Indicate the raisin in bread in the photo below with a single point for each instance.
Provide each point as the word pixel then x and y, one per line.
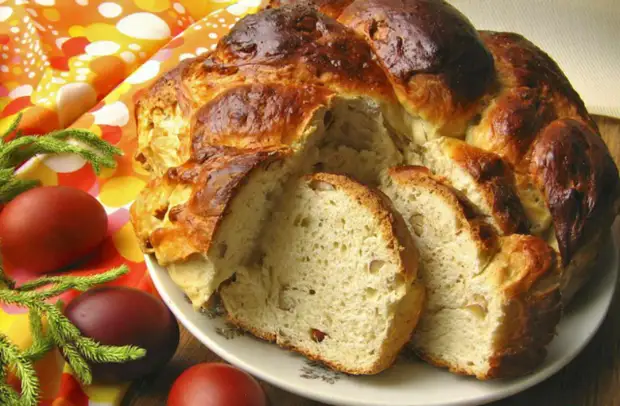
pixel 335 277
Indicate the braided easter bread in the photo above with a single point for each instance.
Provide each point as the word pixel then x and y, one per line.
pixel 478 134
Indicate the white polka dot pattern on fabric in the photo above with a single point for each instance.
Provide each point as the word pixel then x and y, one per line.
pixel 237 9
pixel 5 13
pixel 128 56
pixel 45 2
pixel 185 56
pixel 201 50
pixel 147 71
pixel 64 163
pixel 112 114
pixel 68 110
pixel 82 2
pixel 179 8
pixel 23 90
pixel 144 26
pixel 60 41
pixel 99 48
pixel 110 10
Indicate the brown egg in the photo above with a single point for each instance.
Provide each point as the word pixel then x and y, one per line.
pixel 48 228
pixel 126 316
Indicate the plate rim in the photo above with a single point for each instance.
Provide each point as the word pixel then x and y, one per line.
pixel 524 384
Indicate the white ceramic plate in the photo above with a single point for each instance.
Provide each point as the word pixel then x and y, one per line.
pixel 409 382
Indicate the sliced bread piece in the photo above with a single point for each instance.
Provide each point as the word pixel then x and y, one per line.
pixel 482 177
pixel 493 302
pixel 336 280
pixel 184 216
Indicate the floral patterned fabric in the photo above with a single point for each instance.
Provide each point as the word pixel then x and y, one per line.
pixel 82 63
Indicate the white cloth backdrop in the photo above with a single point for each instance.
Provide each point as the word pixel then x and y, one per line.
pixel 583 36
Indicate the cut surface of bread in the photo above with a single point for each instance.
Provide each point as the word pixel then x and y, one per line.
pixel 487 295
pixel 336 277
pixel 243 185
pixel 342 134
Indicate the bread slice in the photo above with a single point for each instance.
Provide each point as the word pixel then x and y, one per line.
pixel 184 217
pixel 479 176
pixel 493 301
pixel 335 279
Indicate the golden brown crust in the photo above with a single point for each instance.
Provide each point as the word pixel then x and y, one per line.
pixel 174 233
pixel 539 124
pixel 162 99
pixel 573 167
pixel 495 179
pixel 431 53
pixel 298 43
pixel 162 94
pixel 257 116
pixel 533 91
pixel 332 8
pixel 530 282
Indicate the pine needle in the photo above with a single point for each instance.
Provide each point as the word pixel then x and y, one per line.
pixel 80 283
pixel 12 127
pixel 77 349
pixel 83 143
pixel 14 187
pixel 41 344
pixel 23 368
pixel 8 396
pixel 10 283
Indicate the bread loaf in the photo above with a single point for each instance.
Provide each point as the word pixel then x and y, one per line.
pixel 334 277
pixel 359 88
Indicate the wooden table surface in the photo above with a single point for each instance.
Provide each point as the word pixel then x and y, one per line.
pixel 592 379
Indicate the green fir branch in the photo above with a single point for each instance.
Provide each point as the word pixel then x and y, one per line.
pixel 12 127
pixel 23 368
pixel 80 283
pixel 93 351
pixel 41 344
pixel 10 283
pixel 86 144
pixel 14 187
pixel 26 147
pixel 88 138
pixel 8 395
pixel 77 349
